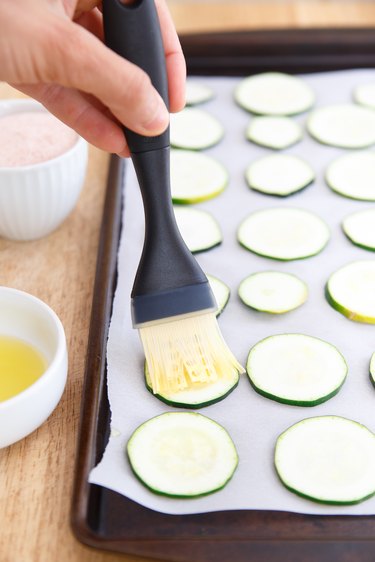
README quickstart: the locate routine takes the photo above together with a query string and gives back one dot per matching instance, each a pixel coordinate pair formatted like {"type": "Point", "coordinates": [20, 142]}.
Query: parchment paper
{"type": "Point", "coordinates": [253, 421]}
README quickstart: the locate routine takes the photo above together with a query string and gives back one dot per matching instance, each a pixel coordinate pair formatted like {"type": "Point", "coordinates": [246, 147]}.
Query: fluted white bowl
{"type": "Point", "coordinates": [26, 317]}
{"type": "Point", "coordinates": [35, 199]}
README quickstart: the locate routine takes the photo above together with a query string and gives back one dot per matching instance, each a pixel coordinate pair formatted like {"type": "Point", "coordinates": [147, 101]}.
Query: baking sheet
{"type": "Point", "coordinates": [253, 421]}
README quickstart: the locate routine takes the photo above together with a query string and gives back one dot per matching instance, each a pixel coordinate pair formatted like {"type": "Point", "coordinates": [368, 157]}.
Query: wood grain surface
{"type": "Point", "coordinates": [36, 474]}
{"type": "Point", "coordinates": [193, 16]}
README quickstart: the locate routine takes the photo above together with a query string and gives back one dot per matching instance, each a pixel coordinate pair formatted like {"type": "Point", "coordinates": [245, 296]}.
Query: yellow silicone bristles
{"type": "Point", "coordinates": [182, 352]}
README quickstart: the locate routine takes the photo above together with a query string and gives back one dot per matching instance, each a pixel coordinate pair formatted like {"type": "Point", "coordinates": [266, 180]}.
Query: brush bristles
{"type": "Point", "coordinates": [182, 352]}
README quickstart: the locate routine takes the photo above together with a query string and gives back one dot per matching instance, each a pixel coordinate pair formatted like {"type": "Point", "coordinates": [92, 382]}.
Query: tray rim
{"type": "Point", "coordinates": [94, 393]}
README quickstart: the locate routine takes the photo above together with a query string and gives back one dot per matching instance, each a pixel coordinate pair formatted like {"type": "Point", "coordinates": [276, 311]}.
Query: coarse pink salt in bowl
{"type": "Point", "coordinates": [42, 169]}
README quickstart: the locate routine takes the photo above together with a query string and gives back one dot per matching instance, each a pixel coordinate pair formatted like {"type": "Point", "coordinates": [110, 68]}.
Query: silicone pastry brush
{"type": "Point", "coordinates": [172, 303]}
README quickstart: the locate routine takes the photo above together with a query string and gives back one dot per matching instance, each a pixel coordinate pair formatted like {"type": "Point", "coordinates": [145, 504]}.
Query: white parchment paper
{"type": "Point", "coordinates": [253, 421]}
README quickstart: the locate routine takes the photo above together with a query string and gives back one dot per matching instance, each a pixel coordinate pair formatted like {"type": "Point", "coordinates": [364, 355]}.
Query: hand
{"type": "Point", "coordinates": [53, 51]}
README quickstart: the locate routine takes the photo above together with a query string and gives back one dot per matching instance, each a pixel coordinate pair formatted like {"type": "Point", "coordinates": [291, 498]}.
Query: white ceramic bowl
{"type": "Point", "coordinates": [35, 199]}
{"type": "Point", "coordinates": [26, 317]}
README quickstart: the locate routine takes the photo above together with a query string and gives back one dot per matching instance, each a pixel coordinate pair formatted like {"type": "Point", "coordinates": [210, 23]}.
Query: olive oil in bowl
{"type": "Point", "coordinates": [21, 365]}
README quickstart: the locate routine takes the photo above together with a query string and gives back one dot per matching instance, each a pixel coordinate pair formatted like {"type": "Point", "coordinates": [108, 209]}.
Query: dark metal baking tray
{"type": "Point", "coordinates": [104, 519]}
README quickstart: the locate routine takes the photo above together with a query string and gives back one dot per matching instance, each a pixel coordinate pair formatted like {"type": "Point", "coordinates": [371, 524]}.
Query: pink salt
{"type": "Point", "coordinates": [32, 137]}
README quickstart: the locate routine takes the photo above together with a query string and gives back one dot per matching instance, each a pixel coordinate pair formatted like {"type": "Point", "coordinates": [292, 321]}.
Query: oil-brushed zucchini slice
{"type": "Point", "coordinates": [274, 132]}
{"type": "Point", "coordinates": [196, 92]}
{"type": "Point", "coordinates": [273, 291]}
{"type": "Point", "coordinates": [328, 459]}
{"type": "Point", "coordinates": [182, 454]}
{"type": "Point", "coordinates": [198, 396]}
{"type": "Point", "coordinates": [353, 175]}
{"type": "Point", "coordinates": [364, 94]}
{"type": "Point", "coordinates": [274, 93]}
{"type": "Point", "coordinates": [359, 227]}
{"type": "Point", "coordinates": [199, 229]}
{"type": "Point", "coordinates": [221, 293]}
{"type": "Point", "coordinates": [343, 125]}
{"type": "Point", "coordinates": [195, 129]}
{"type": "Point", "coordinates": [196, 177]}
{"type": "Point", "coordinates": [351, 291]}
{"type": "Point", "coordinates": [279, 174]}
{"type": "Point", "coordinates": [202, 394]}
{"type": "Point", "coordinates": [283, 233]}
{"type": "Point", "coordinates": [296, 369]}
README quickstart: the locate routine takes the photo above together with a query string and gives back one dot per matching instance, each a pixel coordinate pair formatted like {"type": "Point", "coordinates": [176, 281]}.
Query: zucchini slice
{"type": "Point", "coordinates": [296, 369]}
{"type": "Point", "coordinates": [199, 229]}
{"type": "Point", "coordinates": [365, 95]}
{"type": "Point", "coordinates": [359, 227]}
{"type": "Point", "coordinates": [279, 174]}
{"type": "Point", "coordinates": [196, 177]}
{"type": "Point", "coordinates": [195, 129]}
{"type": "Point", "coordinates": [197, 92]}
{"type": "Point", "coordinates": [351, 291]}
{"type": "Point", "coordinates": [328, 459]}
{"type": "Point", "coordinates": [353, 175]}
{"type": "Point", "coordinates": [274, 132]}
{"type": "Point", "coordinates": [202, 395]}
{"type": "Point", "coordinates": [182, 454]}
{"type": "Point", "coordinates": [274, 93]}
{"type": "Point", "coordinates": [199, 396]}
{"type": "Point", "coordinates": [221, 293]}
{"type": "Point", "coordinates": [283, 233]}
{"type": "Point", "coordinates": [273, 292]}
{"type": "Point", "coordinates": [372, 369]}
{"type": "Point", "coordinates": [343, 126]}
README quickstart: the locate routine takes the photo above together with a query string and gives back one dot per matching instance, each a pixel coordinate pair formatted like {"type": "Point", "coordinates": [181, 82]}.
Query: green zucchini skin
{"type": "Point", "coordinates": [338, 142]}
{"type": "Point", "coordinates": [279, 195]}
{"type": "Point", "coordinates": [191, 406]}
{"type": "Point", "coordinates": [372, 369]}
{"type": "Point", "coordinates": [222, 308]}
{"type": "Point", "coordinates": [346, 195]}
{"type": "Point", "coordinates": [223, 304]}
{"type": "Point", "coordinates": [282, 259]}
{"type": "Point", "coordinates": [179, 496]}
{"type": "Point", "coordinates": [344, 311]}
{"type": "Point", "coordinates": [363, 246]}
{"type": "Point", "coordinates": [138, 445]}
{"type": "Point", "coordinates": [272, 147]}
{"type": "Point", "coordinates": [314, 498]}
{"type": "Point", "coordinates": [358, 244]}
{"type": "Point", "coordinates": [207, 249]}
{"type": "Point", "coordinates": [193, 200]}
{"type": "Point", "coordinates": [323, 502]}
{"type": "Point", "coordinates": [291, 401]}
{"type": "Point", "coordinates": [197, 149]}
{"type": "Point", "coordinates": [353, 147]}
{"type": "Point", "coordinates": [259, 114]}
{"type": "Point", "coordinates": [252, 109]}
{"type": "Point", "coordinates": [301, 403]}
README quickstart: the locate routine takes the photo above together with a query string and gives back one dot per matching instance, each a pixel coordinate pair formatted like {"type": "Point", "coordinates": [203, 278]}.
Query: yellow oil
{"type": "Point", "coordinates": [20, 365]}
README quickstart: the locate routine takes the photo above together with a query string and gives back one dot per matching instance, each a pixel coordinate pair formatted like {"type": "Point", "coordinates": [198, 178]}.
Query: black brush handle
{"type": "Point", "coordinates": [133, 31]}
{"type": "Point", "coordinates": [169, 280]}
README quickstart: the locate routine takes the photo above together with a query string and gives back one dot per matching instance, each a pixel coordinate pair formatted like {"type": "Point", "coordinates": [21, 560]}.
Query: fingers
{"type": "Point", "coordinates": [93, 22]}
{"type": "Point", "coordinates": [82, 114]}
{"type": "Point", "coordinates": [85, 6]}
{"type": "Point", "coordinates": [175, 61]}
{"type": "Point", "coordinates": [79, 60]}
{"type": "Point", "coordinates": [85, 69]}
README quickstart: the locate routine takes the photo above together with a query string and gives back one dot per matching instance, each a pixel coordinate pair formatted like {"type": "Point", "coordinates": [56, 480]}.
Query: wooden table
{"type": "Point", "coordinates": [36, 474]}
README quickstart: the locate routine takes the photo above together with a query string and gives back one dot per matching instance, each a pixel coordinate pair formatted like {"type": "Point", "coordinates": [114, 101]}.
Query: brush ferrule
{"type": "Point", "coordinates": [180, 301]}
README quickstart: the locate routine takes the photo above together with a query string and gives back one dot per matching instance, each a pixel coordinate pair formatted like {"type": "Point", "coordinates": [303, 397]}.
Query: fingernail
{"type": "Point", "coordinates": [158, 117]}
